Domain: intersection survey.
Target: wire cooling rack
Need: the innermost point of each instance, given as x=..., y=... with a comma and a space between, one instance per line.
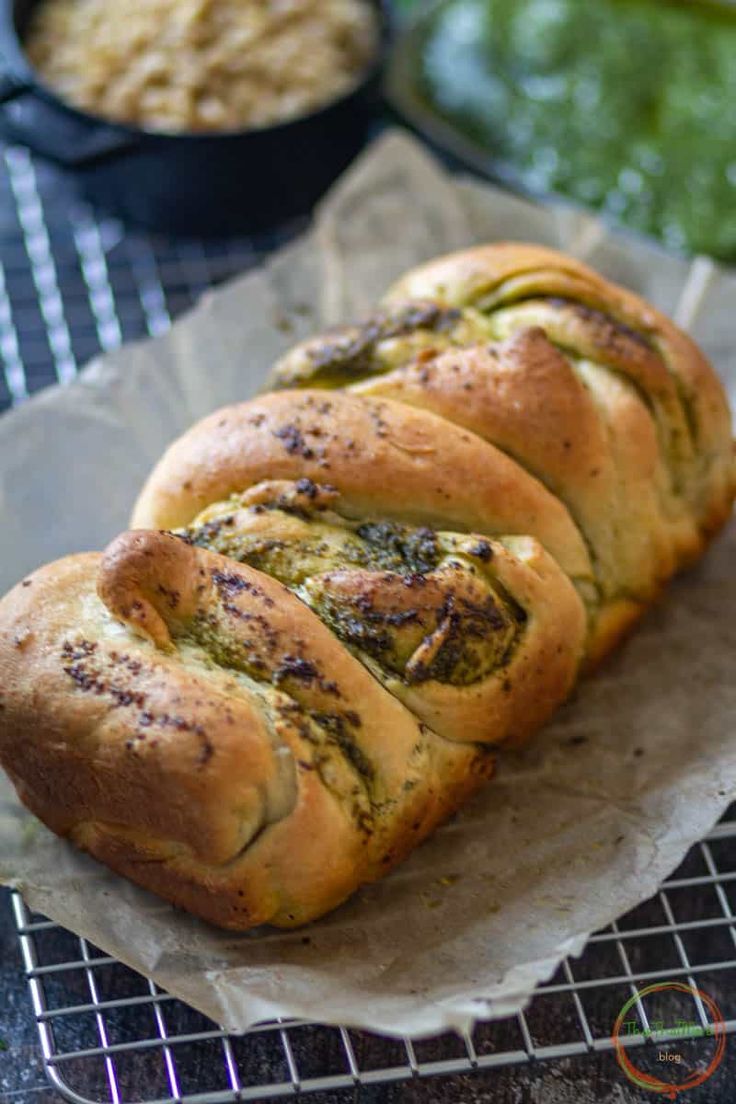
x=114, y=1033
x=71, y=285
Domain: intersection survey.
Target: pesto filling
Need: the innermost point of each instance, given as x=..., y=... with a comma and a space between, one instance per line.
x=329, y=733
x=385, y=340
x=421, y=604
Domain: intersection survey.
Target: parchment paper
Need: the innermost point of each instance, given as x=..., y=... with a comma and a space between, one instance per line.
x=573, y=832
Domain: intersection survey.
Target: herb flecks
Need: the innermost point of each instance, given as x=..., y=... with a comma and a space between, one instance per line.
x=420, y=603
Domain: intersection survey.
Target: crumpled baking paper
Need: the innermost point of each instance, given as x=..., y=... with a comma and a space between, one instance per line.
x=573, y=832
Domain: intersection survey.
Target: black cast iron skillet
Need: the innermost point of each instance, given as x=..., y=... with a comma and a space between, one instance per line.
x=198, y=184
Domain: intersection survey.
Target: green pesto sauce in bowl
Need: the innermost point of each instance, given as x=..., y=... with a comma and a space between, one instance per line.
x=624, y=105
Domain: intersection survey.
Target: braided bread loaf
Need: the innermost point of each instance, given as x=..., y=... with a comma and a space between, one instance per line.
x=339, y=597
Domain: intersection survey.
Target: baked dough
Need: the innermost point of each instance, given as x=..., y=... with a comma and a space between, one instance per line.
x=339, y=598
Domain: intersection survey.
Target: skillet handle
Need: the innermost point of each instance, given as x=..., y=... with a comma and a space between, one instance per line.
x=11, y=86
x=55, y=133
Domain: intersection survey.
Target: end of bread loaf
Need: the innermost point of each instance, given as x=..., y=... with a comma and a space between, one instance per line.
x=203, y=725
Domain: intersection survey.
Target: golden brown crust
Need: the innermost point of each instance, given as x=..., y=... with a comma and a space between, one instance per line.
x=200, y=726
x=376, y=579
x=386, y=460
x=588, y=387
x=524, y=397
x=497, y=276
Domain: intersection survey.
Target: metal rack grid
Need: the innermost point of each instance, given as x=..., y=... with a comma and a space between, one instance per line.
x=71, y=285
x=105, y=1027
